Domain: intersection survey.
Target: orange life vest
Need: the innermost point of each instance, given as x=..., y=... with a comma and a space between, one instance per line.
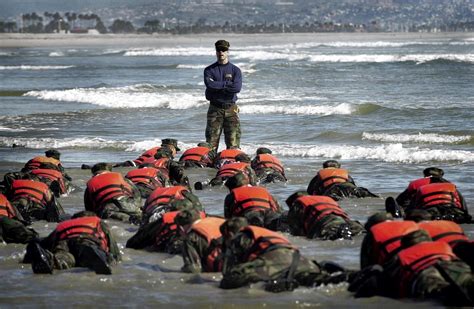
x=196, y=154
x=317, y=207
x=168, y=228
x=252, y=199
x=107, y=186
x=164, y=196
x=51, y=175
x=415, y=184
x=147, y=176
x=330, y=176
x=444, y=231
x=6, y=208
x=150, y=153
x=227, y=155
x=84, y=225
x=416, y=258
x=40, y=161
x=268, y=161
x=436, y=194
x=387, y=236
x=209, y=229
x=231, y=169
x=36, y=191
x=264, y=241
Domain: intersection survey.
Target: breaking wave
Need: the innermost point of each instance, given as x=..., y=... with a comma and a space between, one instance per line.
x=136, y=96
x=35, y=67
x=430, y=138
x=341, y=109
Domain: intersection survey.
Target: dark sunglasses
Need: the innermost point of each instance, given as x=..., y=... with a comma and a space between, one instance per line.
x=221, y=49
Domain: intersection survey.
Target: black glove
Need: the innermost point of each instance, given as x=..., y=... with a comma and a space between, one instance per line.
x=365, y=282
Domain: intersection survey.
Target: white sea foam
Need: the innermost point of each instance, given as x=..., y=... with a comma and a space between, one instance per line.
x=387, y=153
x=5, y=129
x=177, y=51
x=432, y=138
x=35, y=67
x=56, y=54
x=244, y=67
x=340, y=109
x=124, y=97
x=84, y=142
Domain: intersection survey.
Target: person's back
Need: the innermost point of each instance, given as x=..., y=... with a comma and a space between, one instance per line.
x=442, y=201
x=147, y=179
x=316, y=216
x=82, y=241
x=201, y=156
x=160, y=200
x=268, y=168
x=430, y=175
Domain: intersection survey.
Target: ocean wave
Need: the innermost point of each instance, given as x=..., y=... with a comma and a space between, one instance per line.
x=244, y=67
x=358, y=58
x=6, y=129
x=81, y=142
x=56, y=54
x=340, y=109
x=431, y=138
x=395, y=153
x=35, y=67
x=135, y=96
x=177, y=51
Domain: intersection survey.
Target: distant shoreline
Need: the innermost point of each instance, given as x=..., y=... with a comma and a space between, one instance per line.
x=19, y=40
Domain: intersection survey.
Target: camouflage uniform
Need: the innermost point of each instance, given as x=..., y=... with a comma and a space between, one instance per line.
x=226, y=119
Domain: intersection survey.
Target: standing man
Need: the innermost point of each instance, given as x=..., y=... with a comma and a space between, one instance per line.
x=223, y=81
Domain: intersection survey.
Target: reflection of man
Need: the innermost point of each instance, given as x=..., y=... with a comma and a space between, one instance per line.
x=223, y=81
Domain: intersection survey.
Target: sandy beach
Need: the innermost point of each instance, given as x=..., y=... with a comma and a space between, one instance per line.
x=18, y=40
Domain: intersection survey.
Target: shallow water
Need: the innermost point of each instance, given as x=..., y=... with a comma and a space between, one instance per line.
x=385, y=107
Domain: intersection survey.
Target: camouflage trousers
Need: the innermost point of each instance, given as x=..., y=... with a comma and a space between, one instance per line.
x=226, y=119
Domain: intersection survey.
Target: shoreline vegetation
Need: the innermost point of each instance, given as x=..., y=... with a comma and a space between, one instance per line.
x=19, y=40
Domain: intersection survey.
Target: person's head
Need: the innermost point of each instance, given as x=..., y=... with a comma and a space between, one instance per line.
x=243, y=157
x=231, y=227
x=181, y=204
x=433, y=172
x=222, y=51
x=417, y=215
x=101, y=167
x=204, y=144
x=52, y=153
x=377, y=218
x=185, y=219
x=331, y=163
x=263, y=150
x=84, y=213
x=164, y=152
x=170, y=143
x=414, y=238
x=236, y=181
x=292, y=198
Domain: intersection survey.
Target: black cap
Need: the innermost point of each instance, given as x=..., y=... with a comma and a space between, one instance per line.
x=53, y=153
x=243, y=157
x=170, y=141
x=433, y=171
x=292, y=198
x=102, y=166
x=377, y=218
x=222, y=45
x=236, y=181
x=263, y=150
x=204, y=144
x=331, y=163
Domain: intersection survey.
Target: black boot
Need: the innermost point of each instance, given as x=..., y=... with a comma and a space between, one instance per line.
x=392, y=207
x=41, y=259
x=95, y=259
